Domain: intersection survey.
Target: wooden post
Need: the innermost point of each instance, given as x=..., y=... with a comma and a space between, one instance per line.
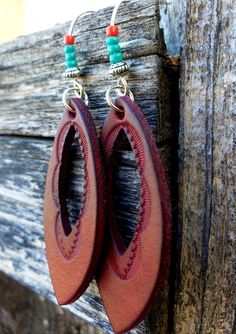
x=206, y=285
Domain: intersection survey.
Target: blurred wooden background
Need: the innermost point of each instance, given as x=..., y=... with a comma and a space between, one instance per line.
x=23, y=311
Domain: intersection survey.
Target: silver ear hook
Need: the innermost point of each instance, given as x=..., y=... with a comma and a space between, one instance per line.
x=73, y=73
x=73, y=23
x=114, y=13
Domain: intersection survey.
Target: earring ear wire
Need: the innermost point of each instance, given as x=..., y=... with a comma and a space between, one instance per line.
x=118, y=67
x=114, y=13
x=72, y=70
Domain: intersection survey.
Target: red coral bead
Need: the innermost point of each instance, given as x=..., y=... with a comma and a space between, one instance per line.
x=69, y=40
x=112, y=31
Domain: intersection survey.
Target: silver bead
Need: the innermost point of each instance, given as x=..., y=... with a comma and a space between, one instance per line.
x=119, y=68
x=71, y=73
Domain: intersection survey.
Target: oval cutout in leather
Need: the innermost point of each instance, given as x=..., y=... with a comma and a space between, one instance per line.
x=125, y=195
x=131, y=278
x=73, y=253
x=67, y=202
x=71, y=185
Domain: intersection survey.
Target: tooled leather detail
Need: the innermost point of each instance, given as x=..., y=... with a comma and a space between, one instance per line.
x=69, y=250
x=124, y=272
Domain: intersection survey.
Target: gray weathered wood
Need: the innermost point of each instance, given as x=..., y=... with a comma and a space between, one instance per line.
x=22, y=242
x=31, y=78
x=173, y=16
x=22, y=311
x=206, y=290
x=30, y=106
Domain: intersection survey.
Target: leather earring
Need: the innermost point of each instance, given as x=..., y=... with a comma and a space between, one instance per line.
x=131, y=278
x=73, y=253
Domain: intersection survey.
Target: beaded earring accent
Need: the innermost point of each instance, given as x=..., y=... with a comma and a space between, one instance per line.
x=114, y=50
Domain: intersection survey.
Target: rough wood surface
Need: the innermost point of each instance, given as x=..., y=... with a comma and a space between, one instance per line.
x=31, y=79
x=22, y=241
x=30, y=109
x=22, y=311
x=172, y=21
x=206, y=291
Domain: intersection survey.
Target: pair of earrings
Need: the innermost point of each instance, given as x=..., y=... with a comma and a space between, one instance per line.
x=129, y=279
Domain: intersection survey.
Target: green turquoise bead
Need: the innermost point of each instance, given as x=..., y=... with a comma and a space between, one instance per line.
x=69, y=48
x=70, y=56
x=112, y=40
x=71, y=63
x=114, y=48
x=116, y=58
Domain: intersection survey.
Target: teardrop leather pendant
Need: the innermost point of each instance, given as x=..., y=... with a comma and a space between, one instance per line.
x=131, y=278
x=73, y=254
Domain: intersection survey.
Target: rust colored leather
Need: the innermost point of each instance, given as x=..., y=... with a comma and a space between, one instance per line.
x=73, y=254
x=131, y=278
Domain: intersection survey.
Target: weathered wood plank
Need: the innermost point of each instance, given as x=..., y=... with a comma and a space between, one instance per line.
x=22, y=173
x=36, y=109
x=173, y=16
x=22, y=239
x=23, y=311
x=30, y=105
x=31, y=78
x=206, y=297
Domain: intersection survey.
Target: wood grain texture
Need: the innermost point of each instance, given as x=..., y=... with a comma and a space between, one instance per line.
x=31, y=81
x=172, y=21
x=22, y=238
x=22, y=241
x=30, y=109
x=206, y=298
x=22, y=311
